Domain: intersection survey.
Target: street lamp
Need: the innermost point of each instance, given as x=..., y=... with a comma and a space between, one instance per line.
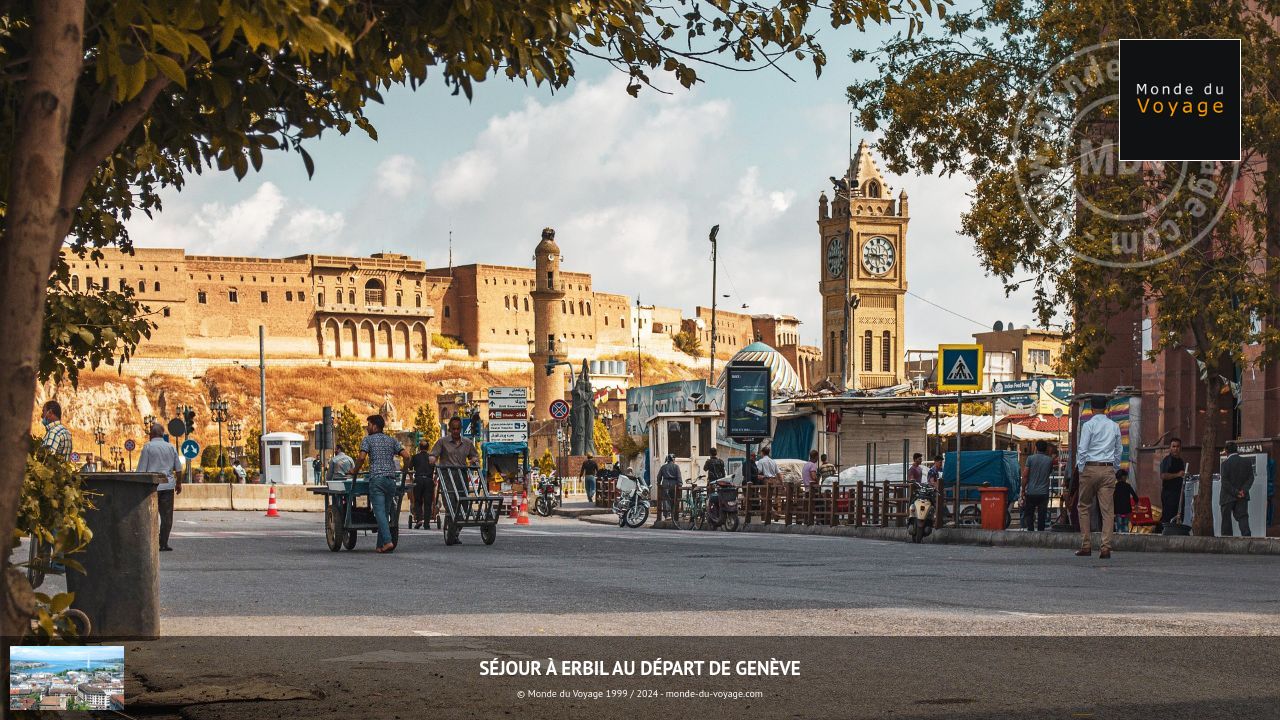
x=147, y=422
x=100, y=435
x=219, y=410
x=117, y=456
x=234, y=433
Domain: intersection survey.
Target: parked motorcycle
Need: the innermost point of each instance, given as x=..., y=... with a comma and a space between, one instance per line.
x=722, y=505
x=548, y=496
x=632, y=505
x=921, y=514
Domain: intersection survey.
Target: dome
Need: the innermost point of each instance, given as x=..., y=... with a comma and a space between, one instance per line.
x=548, y=242
x=783, y=377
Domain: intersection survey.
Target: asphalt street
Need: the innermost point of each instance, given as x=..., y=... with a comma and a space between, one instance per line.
x=241, y=574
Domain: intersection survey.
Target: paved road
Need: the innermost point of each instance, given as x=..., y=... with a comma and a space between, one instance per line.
x=242, y=574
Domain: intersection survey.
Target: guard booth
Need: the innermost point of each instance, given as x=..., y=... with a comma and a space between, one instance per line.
x=284, y=458
x=687, y=435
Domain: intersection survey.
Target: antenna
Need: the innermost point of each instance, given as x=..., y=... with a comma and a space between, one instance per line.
x=851, y=135
x=450, y=251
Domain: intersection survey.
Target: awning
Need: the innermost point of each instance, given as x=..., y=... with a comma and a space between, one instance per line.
x=981, y=425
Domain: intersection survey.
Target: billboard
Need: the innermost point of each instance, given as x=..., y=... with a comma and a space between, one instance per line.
x=748, y=405
x=1043, y=396
x=677, y=396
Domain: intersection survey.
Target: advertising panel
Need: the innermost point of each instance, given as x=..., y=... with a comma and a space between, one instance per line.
x=748, y=407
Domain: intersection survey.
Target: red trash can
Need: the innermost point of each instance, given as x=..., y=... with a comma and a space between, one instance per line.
x=993, y=505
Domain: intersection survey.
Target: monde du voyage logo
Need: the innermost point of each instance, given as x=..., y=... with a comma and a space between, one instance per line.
x=1179, y=100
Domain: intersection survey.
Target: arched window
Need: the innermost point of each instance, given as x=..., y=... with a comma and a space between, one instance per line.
x=351, y=297
x=398, y=298
x=320, y=298
x=588, y=309
x=873, y=189
x=526, y=304
x=446, y=311
x=831, y=353
x=417, y=300
x=571, y=309
x=580, y=308
x=506, y=302
x=866, y=351
x=886, y=353
x=155, y=286
x=142, y=286
x=75, y=283
x=564, y=307
x=373, y=292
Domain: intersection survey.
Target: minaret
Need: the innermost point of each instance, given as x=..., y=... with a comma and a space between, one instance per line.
x=547, y=295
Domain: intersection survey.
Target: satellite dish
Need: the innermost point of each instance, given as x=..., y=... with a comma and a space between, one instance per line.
x=998, y=326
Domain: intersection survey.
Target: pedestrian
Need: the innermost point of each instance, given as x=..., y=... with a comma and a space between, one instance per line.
x=589, y=472
x=1097, y=458
x=767, y=466
x=158, y=456
x=453, y=449
x=1233, y=494
x=915, y=473
x=809, y=474
x=935, y=473
x=713, y=467
x=825, y=469
x=238, y=469
x=750, y=471
x=1125, y=500
x=381, y=450
x=57, y=438
x=1035, y=488
x=669, y=479
x=1173, y=473
x=340, y=465
x=423, y=510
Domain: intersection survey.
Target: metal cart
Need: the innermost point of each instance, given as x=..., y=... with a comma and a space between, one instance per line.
x=345, y=516
x=467, y=503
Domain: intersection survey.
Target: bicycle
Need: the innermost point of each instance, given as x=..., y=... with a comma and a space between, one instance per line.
x=693, y=507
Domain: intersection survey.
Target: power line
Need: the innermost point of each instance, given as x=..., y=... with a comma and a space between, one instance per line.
x=944, y=309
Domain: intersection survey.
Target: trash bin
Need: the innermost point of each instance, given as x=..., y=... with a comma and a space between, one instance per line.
x=120, y=587
x=993, y=501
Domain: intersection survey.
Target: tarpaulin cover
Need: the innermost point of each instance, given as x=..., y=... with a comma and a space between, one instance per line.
x=997, y=468
x=504, y=448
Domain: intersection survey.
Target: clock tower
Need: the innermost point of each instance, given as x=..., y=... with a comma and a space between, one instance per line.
x=863, y=233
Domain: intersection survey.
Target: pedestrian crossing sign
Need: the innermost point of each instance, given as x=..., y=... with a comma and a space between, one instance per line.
x=960, y=367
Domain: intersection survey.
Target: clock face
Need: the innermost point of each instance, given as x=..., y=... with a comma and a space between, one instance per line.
x=877, y=255
x=835, y=257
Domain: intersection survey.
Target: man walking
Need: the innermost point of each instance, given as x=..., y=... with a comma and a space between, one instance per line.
x=158, y=456
x=669, y=480
x=1173, y=471
x=1035, y=488
x=1097, y=460
x=1233, y=494
x=381, y=451
x=57, y=438
x=424, y=488
x=589, y=472
x=713, y=467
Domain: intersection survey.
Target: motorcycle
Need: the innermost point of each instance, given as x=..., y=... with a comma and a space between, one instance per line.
x=548, y=496
x=632, y=505
x=921, y=514
x=722, y=505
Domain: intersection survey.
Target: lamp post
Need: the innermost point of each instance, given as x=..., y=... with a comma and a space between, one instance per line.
x=147, y=422
x=219, y=410
x=715, y=230
x=100, y=435
x=117, y=456
x=234, y=433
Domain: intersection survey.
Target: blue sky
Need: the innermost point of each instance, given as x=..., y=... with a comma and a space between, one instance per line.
x=631, y=186
x=65, y=653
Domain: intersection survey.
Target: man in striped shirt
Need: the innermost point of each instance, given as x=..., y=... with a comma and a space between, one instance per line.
x=57, y=437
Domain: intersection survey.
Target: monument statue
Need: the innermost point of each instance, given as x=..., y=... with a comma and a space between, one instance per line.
x=582, y=415
x=388, y=410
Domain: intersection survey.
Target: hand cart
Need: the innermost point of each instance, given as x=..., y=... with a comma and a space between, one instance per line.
x=345, y=516
x=467, y=503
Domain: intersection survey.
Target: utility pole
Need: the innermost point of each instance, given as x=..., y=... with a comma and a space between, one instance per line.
x=715, y=230
x=262, y=402
x=635, y=325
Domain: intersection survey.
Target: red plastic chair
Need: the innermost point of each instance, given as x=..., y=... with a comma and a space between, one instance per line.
x=1142, y=514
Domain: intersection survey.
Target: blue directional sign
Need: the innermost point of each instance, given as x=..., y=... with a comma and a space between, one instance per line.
x=960, y=367
x=191, y=449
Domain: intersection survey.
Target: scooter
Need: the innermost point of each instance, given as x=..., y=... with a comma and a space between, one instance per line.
x=722, y=505
x=920, y=515
x=548, y=496
x=632, y=505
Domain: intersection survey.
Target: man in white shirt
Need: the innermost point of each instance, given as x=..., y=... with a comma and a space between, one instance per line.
x=1098, y=451
x=767, y=467
x=158, y=456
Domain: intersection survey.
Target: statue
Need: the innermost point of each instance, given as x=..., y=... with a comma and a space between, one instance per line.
x=582, y=416
x=388, y=410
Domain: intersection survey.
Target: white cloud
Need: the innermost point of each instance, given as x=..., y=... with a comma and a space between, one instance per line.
x=397, y=176
x=311, y=227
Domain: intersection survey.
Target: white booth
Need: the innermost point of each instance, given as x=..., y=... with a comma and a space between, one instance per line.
x=284, y=458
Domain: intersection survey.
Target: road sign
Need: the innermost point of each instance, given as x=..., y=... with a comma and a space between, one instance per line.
x=960, y=367
x=511, y=437
x=176, y=427
x=190, y=449
x=559, y=409
x=75, y=457
x=508, y=403
x=560, y=435
x=509, y=426
x=130, y=445
x=501, y=414
x=509, y=393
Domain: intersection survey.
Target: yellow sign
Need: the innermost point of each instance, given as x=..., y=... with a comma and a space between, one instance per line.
x=960, y=367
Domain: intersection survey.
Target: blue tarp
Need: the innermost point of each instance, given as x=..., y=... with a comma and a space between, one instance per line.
x=504, y=448
x=997, y=468
x=792, y=439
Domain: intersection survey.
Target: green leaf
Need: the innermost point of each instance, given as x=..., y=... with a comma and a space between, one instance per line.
x=170, y=68
x=172, y=40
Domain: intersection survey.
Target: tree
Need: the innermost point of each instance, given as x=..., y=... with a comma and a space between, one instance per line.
x=604, y=443
x=348, y=430
x=687, y=342
x=424, y=421
x=546, y=463
x=112, y=100
x=946, y=104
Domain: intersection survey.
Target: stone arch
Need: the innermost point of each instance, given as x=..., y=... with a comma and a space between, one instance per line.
x=582, y=308
x=374, y=292
x=402, y=342
x=386, y=340
x=368, y=339
x=588, y=309
x=332, y=339
x=872, y=189
x=506, y=302
x=420, y=344
x=351, y=335
x=351, y=297
x=526, y=304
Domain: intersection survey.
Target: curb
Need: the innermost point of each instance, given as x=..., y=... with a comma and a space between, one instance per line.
x=581, y=512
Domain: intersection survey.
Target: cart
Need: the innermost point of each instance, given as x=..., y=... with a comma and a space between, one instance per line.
x=505, y=466
x=345, y=516
x=467, y=506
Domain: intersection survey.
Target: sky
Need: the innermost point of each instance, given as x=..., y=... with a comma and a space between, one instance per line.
x=632, y=187
x=65, y=653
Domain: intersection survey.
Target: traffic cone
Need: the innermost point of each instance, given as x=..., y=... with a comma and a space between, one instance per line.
x=524, y=510
x=271, y=503
x=514, y=512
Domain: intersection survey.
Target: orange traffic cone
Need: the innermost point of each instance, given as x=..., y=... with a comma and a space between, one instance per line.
x=271, y=503
x=524, y=510
x=514, y=512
